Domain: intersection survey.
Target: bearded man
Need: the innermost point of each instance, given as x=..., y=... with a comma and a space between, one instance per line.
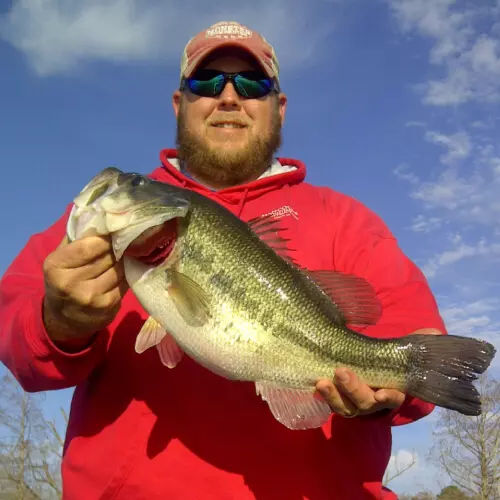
x=138, y=430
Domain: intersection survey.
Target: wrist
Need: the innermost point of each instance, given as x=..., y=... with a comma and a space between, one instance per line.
x=74, y=344
x=63, y=335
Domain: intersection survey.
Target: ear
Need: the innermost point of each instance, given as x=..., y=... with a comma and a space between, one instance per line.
x=282, y=102
x=176, y=102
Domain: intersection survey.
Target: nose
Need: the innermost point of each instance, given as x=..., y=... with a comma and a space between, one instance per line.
x=229, y=98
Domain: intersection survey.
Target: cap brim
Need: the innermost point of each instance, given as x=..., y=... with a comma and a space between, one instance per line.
x=194, y=65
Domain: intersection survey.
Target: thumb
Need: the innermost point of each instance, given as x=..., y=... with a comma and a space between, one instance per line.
x=390, y=398
x=64, y=242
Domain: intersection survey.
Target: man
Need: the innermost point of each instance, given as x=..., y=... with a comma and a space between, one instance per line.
x=139, y=430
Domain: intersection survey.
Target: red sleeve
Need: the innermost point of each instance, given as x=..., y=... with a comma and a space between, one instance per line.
x=365, y=247
x=25, y=348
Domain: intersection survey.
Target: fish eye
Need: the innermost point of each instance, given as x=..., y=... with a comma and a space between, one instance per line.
x=137, y=181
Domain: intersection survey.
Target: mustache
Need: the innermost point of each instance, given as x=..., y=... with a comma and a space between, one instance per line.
x=238, y=120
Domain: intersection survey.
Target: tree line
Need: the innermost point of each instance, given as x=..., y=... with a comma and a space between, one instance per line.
x=466, y=449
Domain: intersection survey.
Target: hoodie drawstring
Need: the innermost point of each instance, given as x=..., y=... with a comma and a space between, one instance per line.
x=242, y=202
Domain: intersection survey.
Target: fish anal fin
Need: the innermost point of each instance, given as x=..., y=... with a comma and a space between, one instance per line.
x=151, y=334
x=354, y=296
x=297, y=409
x=170, y=353
x=191, y=301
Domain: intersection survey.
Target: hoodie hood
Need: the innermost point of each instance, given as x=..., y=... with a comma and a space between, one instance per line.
x=283, y=172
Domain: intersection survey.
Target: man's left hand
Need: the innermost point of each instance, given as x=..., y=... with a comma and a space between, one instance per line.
x=349, y=397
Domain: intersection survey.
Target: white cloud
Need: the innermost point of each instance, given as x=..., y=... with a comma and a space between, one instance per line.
x=467, y=189
x=458, y=252
x=432, y=18
x=403, y=172
x=458, y=145
x=422, y=475
x=57, y=37
x=477, y=319
x=414, y=123
x=465, y=46
x=450, y=191
x=401, y=460
x=478, y=124
x=423, y=224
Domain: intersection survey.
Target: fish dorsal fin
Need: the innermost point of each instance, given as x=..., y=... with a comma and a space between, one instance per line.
x=354, y=296
x=191, y=301
x=269, y=230
x=294, y=408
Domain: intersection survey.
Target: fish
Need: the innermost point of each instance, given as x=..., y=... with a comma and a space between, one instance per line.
x=230, y=295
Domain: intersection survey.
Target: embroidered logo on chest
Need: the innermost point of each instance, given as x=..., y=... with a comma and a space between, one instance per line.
x=284, y=211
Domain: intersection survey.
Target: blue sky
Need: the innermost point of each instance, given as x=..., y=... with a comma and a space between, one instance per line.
x=394, y=102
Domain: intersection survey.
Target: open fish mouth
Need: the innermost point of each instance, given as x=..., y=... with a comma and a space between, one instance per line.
x=127, y=239
x=159, y=254
x=126, y=207
x=157, y=248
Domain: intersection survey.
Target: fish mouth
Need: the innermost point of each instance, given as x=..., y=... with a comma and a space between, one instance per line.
x=159, y=254
x=154, y=249
x=139, y=216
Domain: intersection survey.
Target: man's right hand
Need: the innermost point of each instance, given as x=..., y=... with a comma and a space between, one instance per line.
x=84, y=286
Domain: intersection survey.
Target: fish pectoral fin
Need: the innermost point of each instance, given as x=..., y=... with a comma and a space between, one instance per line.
x=151, y=334
x=170, y=352
x=294, y=408
x=191, y=301
x=355, y=298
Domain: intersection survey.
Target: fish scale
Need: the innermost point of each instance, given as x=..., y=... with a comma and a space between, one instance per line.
x=305, y=321
x=230, y=296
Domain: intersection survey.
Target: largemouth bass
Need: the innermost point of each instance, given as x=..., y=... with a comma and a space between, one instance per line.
x=228, y=294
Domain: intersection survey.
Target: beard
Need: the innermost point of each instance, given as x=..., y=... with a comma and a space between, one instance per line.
x=222, y=167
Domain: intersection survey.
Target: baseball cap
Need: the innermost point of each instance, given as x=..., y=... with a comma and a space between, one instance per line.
x=229, y=34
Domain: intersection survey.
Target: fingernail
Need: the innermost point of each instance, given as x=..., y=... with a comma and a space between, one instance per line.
x=343, y=377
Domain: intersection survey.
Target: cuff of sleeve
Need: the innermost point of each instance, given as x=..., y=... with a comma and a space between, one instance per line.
x=43, y=345
x=411, y=410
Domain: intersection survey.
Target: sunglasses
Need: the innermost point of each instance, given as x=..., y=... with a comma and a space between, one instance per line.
x=211, y=83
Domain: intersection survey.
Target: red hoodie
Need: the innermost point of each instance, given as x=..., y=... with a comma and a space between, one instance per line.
x=140, y=430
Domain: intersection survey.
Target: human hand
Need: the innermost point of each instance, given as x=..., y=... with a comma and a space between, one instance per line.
x=349, y=397
x=84, y=285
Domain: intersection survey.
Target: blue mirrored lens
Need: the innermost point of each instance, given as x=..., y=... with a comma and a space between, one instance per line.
x=246, y=87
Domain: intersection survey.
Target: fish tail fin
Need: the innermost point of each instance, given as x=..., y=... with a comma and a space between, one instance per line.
x=443, y=368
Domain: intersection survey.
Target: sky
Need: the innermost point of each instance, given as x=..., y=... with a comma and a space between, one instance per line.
x=394, y=102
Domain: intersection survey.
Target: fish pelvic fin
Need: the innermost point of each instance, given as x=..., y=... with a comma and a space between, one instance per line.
x=170, y=353
x=297, y=409
x=150, y=335
x=354, y=297
x=443, y=368
x=153, y=334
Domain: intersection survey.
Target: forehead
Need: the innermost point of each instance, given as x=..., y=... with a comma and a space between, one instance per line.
x=230, y=59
